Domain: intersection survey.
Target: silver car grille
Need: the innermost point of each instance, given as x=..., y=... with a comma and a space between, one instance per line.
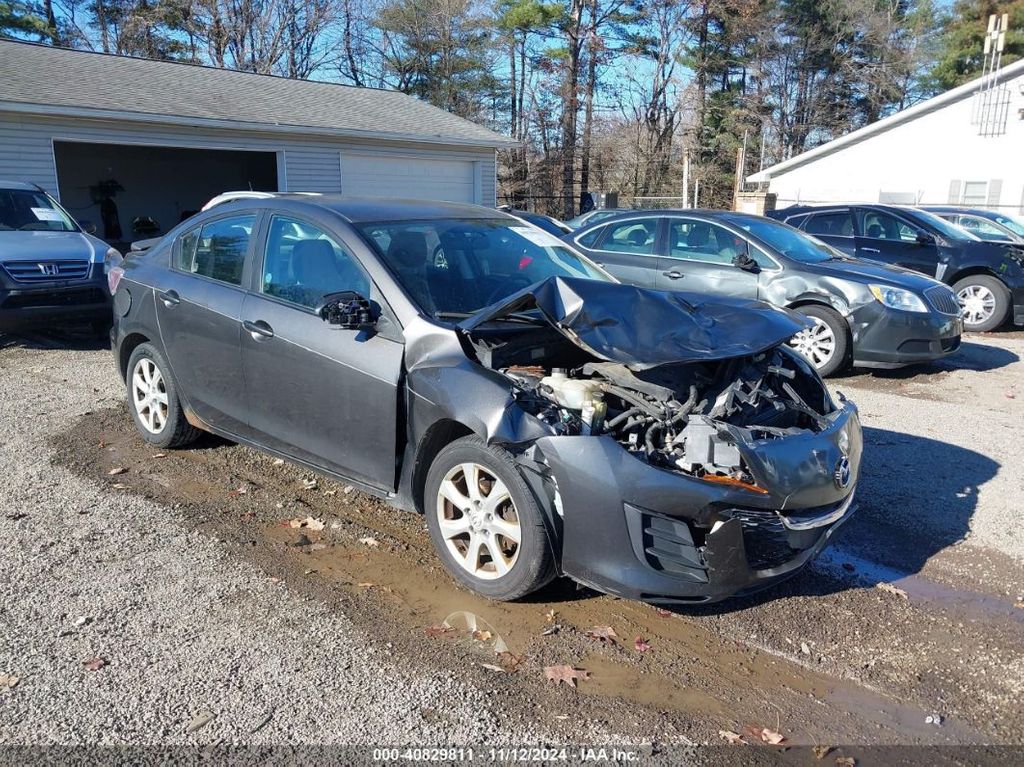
x=46, y=271
x=943, y=300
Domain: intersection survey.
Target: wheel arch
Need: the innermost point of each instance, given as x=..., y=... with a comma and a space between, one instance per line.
x=972, y=271
x=124, y=352
x=438, y=435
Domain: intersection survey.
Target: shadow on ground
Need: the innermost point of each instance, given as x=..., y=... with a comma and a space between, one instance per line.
x=971, y=356
x=73, y=339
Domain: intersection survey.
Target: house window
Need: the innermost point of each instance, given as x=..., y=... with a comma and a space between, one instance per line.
x=975, y=193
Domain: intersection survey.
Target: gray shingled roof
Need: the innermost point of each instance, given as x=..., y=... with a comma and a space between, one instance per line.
x=55, y=80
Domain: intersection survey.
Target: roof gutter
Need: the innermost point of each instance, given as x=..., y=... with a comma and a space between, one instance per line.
x=87, y=113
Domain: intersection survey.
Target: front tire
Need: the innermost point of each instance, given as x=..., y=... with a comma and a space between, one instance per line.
x=985, y=301
x=485, y=523
x=826, y=345
x=153, y=400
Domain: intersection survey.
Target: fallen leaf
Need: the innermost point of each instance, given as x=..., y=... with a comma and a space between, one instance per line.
x=492, y=667
x=102, y=444
x=663, y=612
x=804, y=648
x=890, y=589
x=482, y=636
x=94, y=664
x=366, y=585
x=279, y=461
x=119, y=486
x=201, y=720
x=732, y=737
x=295, y=523
x=602, y=633
x=310, y=484
x=314, y=524
x=348, y=489
x=771, y=737
x=567, y=674
x=549, y=616
x=330, y=492
x=159, y=455
x=820, y=752
x=118, y=470
x=845, y=761
x=8, y=681
x=641, y=644
x=509, y=661
x=240, y=490
x=368, y=541
x=550, y=630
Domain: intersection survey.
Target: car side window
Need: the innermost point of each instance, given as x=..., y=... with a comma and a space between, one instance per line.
x=590, y=239
x=834, y=224
x=701, y=241
x=981, y=227
x=882, y=226
x=217, y=249
x=303, y=263
x=633, y=236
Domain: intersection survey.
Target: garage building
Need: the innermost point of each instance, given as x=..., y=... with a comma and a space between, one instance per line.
x=123, y=142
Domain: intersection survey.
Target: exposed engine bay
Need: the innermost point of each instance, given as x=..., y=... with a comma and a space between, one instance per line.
x=686, y=417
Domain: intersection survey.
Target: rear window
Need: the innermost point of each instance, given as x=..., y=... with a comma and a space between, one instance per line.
x=216, y=250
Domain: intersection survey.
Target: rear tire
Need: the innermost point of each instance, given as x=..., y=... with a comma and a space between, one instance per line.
x=153, y=400
x=985, y=301
x=827, y=345
x=477, y=504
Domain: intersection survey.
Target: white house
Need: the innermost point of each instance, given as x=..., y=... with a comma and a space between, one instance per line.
x=963, y=147
x=171, y=136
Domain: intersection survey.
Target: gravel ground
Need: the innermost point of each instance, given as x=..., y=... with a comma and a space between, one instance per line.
x=199, y=602
x=183, y=628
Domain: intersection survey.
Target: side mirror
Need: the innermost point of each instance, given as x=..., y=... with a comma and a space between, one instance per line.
x=923, y=238
x=87, y=226
x=347, y=309
x=746, y=263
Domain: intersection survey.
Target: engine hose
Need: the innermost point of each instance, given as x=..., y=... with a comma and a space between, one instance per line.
x=622, y=417
x=686, y=409
x=649, y=437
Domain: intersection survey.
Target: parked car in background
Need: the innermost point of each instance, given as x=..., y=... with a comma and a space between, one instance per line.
x=545, y=418
x=987, y=277
x=863, y=313
x=51, y=269
x=549, y=224
x=584, y=219
x=983, y=224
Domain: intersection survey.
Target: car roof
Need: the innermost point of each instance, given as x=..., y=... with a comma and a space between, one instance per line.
x=957, y=209
x=18, y=185
x=369, y=209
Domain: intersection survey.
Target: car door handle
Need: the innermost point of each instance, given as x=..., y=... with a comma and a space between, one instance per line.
x=169, y=297
x=672, y=274
x=871, y=250
x=258, y=330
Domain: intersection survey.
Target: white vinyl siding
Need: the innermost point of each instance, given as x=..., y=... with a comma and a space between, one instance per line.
x=308, y=164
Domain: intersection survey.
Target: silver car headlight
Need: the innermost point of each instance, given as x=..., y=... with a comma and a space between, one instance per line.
x=898, y=298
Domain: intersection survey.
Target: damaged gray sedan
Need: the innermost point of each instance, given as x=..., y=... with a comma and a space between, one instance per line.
x=545, y=419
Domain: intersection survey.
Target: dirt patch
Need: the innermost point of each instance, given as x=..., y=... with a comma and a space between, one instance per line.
x=377, y=565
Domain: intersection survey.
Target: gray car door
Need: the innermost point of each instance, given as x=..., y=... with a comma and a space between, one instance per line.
x=326, y=395
x=700, y=257
x=628, y=249
x=198, y=307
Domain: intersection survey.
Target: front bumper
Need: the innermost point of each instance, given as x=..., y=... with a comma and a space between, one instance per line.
x=884, y=337
x=84, y=300
x=641, y=532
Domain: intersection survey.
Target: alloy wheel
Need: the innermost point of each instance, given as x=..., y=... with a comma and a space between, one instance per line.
x=478, y=521
x=977, y=302
x=149, y=395
x=816, y=343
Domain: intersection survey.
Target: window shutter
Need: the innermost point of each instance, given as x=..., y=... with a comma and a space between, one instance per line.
x=995, y=191
x=954, y=193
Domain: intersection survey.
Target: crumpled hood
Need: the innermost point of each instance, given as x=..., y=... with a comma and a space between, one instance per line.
x=35, y=245
x=643, y=328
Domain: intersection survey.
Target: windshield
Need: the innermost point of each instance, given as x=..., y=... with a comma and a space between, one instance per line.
x=787, y=240
x=26, y=210
x=1015, y=225
x=454, y=267
x=941, y=225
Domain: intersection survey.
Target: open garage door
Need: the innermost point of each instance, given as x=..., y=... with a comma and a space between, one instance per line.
x=122, y=187
x=366, y=175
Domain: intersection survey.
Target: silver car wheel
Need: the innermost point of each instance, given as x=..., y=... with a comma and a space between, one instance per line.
x=978, y=303
x=149, y=395
x=816, y=343
x=478, y=521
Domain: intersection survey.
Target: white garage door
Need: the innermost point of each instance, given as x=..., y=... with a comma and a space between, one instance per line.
x=366, y=175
